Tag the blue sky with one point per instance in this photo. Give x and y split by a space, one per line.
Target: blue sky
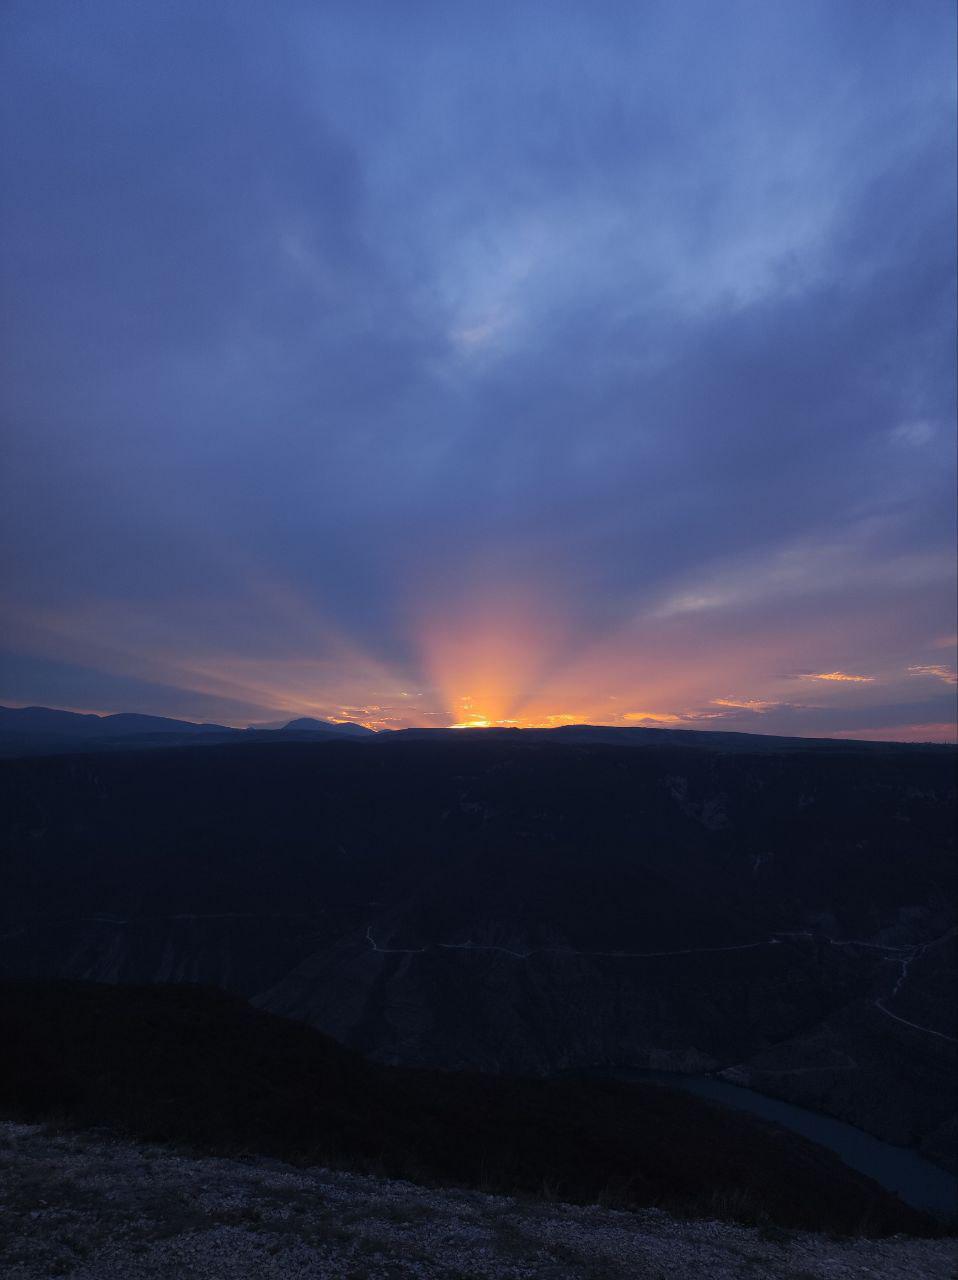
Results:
445 363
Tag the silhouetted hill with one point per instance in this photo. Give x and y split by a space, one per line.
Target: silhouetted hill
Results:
343 727
46 720
47 731
706 740
190 1065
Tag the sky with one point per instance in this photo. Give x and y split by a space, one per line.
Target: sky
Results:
448 363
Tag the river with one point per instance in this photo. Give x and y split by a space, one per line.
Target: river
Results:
915 1180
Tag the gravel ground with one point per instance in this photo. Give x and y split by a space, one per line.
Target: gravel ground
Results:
88 1207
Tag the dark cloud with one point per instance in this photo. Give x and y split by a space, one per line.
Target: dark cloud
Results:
335 336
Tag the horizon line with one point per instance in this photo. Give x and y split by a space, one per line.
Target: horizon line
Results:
500 726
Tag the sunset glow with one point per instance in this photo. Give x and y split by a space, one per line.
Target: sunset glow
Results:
498 665
612 384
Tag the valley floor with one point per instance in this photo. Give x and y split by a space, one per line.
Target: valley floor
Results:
84 1206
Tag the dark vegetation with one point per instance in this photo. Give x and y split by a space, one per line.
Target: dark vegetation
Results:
184 1064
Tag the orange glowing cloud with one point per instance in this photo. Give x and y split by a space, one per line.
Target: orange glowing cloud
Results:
841 676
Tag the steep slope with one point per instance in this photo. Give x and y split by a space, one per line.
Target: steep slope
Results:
184 1064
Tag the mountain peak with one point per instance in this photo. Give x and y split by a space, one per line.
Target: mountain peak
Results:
307 724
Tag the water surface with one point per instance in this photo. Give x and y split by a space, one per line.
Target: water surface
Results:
915 1180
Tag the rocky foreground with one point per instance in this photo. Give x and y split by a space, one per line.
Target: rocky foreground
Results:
85 1206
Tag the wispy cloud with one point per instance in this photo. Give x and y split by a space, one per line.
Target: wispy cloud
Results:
654 717
745 704
811 567
947 674
840 677
913 434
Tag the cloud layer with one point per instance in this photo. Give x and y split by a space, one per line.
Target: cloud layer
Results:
438 364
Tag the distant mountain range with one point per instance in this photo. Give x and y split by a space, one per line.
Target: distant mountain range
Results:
77 725
39 726
47 730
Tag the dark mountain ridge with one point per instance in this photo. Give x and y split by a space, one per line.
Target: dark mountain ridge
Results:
705 739
45 730
89 725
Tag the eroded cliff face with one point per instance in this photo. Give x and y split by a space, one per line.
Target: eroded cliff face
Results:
522 907
490 1005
